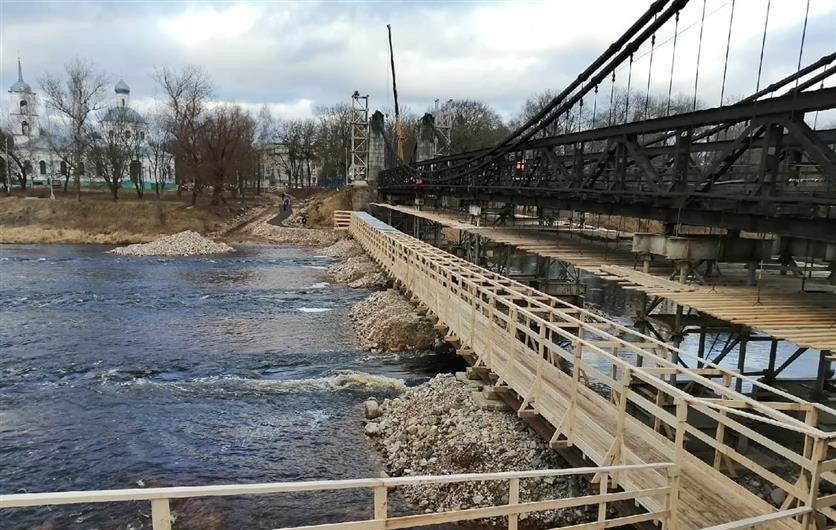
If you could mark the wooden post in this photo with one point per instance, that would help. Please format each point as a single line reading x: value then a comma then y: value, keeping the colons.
x: 741, y: 363
x: 681, y: 423
x: 720, y: 437
x: 160, y: 514
x: 819, y: 453
x: 381, y: 502
x: 672, y: 522
x: 602, y: 506
x: 626, y: 376
x: 513, y: 498
x: 577, y: 356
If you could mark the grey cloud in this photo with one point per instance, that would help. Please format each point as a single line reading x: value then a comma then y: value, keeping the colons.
x: 322, y: 51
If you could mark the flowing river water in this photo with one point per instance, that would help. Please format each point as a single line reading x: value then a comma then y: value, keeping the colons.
x: 121, y: 372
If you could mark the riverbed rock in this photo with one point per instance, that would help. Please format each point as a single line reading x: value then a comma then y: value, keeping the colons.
x: 436, y: 429
x: 186, y: 243
x: 359, y: 272
x: 372, y: 428
x: 344, y: 248
x: 386, y: 322
x: 294, y: 235
x: 372, y: 409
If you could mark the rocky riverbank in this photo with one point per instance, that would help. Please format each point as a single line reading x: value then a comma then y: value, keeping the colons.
x: 186, y: 243
x: 293, y: 236
x: 359, y: 272
x: 437, y: 428
x: 388, y: 322
x: 344, y: 248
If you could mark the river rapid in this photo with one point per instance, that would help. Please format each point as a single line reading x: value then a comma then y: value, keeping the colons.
x: 123, y: 372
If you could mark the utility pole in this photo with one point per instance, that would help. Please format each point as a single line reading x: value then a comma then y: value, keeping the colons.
x: 399, y: 140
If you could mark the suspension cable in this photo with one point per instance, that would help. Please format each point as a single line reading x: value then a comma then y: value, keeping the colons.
x: 726, y: 63
x: 612, y: 93
x: 673, y: 62
x: 816, y: 115
x: 629, y: 81
x: 803, y: 36
x: 699, y: 53
x: 649, y: 73
x: 763, y: 44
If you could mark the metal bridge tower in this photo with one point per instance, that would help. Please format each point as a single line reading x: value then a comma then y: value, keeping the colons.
x: 358, y: 169
x: 443, y: 126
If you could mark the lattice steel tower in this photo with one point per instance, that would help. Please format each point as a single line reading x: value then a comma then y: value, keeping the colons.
x: 443, y: 127
x: 358, y: 169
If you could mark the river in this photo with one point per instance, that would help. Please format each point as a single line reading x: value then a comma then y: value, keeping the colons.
x: 122, y: 372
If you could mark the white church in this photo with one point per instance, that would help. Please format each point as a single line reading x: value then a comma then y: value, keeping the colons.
x: 41, y: 154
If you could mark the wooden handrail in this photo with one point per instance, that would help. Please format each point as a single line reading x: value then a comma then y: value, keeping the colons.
x: 527, y: 327
x: 683, y: 354
x: 162, y: 520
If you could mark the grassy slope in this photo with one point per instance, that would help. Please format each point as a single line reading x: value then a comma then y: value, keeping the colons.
x: 96, y: 219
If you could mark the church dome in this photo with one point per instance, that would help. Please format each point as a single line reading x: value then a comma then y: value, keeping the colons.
x: 122, y: 87
x: 122, y: 115
x: 20, y: 85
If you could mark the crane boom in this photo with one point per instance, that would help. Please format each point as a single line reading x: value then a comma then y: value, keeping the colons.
x: 399, y: 140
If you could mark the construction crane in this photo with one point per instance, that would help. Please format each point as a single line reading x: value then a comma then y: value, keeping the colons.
x: 399, y: 140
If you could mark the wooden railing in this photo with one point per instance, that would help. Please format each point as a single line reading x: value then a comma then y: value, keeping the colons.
x: 381, y: 519
x: 342, y: 219
x: 599, y: 383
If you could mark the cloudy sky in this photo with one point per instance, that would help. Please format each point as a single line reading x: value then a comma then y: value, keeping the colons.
x: 297, y: 55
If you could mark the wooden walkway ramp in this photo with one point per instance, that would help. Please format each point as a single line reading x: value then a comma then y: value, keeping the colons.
x: 612, y: 393
x: 778, y: 308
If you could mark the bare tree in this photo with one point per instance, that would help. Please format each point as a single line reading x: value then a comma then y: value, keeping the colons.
x: 227, y: 148
x: 115, y: 148
x: 76, y: 96
x: 475, y: 125
x: 159, y: 142
x: 266, y: 137
x: 298, y: 137
x: 187, y: 92
x: 12, y: 163
x: 333, y: 138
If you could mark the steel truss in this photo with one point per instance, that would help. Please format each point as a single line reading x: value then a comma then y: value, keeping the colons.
x: 763, y: 169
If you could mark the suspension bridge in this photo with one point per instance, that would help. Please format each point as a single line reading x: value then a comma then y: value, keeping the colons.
x: 747, y: 185
x: 758, y: 164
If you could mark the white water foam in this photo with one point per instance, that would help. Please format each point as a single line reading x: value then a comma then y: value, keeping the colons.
x: 345, y: 380
x: 320, y: 285
x: 314, y: 309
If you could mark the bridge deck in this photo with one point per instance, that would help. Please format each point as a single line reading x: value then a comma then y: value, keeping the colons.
x: 594, y: 381
x: 777, y: 308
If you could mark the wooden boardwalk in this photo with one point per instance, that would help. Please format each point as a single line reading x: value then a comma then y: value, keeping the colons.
x: 777, y: 309
x: 608, y: 390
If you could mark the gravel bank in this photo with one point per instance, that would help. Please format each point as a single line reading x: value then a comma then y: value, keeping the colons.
x: 344, y: 248
x: 294, y: 236
x: 187, y: 243
x: 359, y: 272
x: 387, y: 322
x: 436, y: 428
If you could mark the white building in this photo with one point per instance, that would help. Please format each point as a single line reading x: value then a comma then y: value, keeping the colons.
x: 45, y: 156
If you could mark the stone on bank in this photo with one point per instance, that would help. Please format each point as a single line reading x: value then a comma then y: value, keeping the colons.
x: 438, y: 429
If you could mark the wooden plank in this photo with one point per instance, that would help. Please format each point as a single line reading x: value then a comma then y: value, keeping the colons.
x: 752, y: 522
